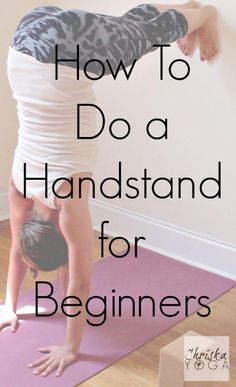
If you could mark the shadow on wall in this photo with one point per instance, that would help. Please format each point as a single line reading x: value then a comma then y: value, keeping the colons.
x: 227, y: 61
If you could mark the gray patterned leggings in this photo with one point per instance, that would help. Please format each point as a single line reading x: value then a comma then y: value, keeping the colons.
x: 116, y: 38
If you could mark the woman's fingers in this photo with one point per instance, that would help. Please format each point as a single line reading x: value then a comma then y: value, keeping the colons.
x: 45, y: 349
x: 50, y: 368
x: 14, y: 325
x: 8, y: 318
x: 4, y: 325
x: 39, y: 361
x: 60, y: 369
x: 58, y: 359
x: 42, y: 368
x: 1, y: 326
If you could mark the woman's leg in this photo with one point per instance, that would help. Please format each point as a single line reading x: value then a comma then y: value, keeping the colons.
x: 187, y: 43
x: 104, y: 37
x: 126, y: 38
x: 129, y: 40
x: 34, y: 16
x: 202, y: 20
x: 19, y: 212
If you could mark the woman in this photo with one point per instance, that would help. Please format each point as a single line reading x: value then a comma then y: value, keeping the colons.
x: 50, y: 231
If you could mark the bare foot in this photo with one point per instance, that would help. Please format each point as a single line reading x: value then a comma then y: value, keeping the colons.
x: 187, y: 43
x: 208, y: 37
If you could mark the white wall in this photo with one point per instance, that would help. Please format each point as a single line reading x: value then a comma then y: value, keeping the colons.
x: 11, y: 13
x: 202, y: 122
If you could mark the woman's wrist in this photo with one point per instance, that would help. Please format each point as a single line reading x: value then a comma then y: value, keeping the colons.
x: 9, y: 307
x: 72, y: 347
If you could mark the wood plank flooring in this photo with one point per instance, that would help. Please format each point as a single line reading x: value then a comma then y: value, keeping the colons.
x: 140, y: 369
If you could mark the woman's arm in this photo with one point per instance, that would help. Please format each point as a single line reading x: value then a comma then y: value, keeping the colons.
x: 19, y: 211
x: 76, y: 227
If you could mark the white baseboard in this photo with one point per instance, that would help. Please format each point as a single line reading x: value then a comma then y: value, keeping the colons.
x: 4, y: 206
x: 167, y: 239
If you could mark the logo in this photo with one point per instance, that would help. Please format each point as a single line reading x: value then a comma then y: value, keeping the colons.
x: 206, y: 358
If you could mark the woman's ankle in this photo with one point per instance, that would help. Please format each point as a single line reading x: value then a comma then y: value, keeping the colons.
x: 206, y: 12
x: 196, y: 18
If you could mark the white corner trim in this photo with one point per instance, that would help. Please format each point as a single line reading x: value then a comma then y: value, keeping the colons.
x: 174, y: 242
x: 167, y: 239
x: 4, y: 206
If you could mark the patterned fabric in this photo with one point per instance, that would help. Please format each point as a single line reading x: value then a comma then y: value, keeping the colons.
x: 116, y: 38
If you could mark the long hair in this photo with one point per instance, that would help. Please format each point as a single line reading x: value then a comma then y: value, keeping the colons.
x: 45, y: 247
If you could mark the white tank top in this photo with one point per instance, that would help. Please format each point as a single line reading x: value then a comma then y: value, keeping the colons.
x: 47, y: 114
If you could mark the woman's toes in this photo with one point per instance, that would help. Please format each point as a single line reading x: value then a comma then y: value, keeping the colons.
x: 203, y: 55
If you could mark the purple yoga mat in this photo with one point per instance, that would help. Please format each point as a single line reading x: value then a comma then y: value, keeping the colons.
x: 150, y: 274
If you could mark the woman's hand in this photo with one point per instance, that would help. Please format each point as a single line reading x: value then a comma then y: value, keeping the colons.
x: 8, y: 318
x: 58, y: 358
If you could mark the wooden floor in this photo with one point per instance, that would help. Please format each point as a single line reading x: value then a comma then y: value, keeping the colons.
x: 140, y: 369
